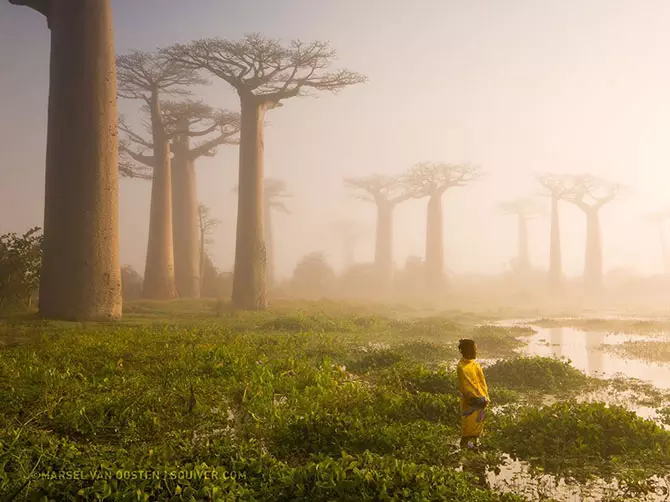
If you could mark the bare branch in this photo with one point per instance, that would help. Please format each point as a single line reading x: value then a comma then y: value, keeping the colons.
x: 434, y: 178
x: 41, y: 6
x: 380, y: 189
x: 264, y: 68
x: 526, y: 207
x: 591, y: 193
x: 141, y: 74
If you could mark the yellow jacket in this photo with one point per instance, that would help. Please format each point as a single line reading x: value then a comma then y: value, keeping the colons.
x: 472, y: 384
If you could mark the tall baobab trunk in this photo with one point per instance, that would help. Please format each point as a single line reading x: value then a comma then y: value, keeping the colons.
x: 555, y: 267
x: 269, y: 244
x: 524, y: 255
x: 434, y: 244
x: 384, y: 245
x: 249, y: 286
x: 593, y: 267
x: 185, y: 227
x: 159, y: 269
x: 81, y: 273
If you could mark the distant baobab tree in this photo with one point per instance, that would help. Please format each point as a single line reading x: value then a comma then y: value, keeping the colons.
x: 183, y: 121
x: 524, y: 209
x: 557, y: 187
x: 146, y: 77
x: 660, y: 219
x: 264, y: 73
x: 590, y: 194
x: 432, y: 180
x: 206, y: 224
x: 81, y: 273
x: 386, y: 192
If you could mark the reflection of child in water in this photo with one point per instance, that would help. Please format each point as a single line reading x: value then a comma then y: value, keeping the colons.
x: 475, y: 394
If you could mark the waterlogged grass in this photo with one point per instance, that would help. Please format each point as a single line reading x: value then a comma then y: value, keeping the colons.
x: 651, y: 351
x: 626, y: 326
x: 580, y: 441
x: 316, y: 403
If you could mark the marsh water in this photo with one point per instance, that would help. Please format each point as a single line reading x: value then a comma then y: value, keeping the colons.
x: 587, y: 351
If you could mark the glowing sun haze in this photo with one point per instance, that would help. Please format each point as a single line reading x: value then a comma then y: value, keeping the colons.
x: 517, y: 87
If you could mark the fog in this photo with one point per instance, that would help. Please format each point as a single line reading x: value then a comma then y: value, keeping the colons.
x: 516, y: 87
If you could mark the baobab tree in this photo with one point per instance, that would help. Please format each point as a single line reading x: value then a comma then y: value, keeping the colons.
x: 273, y: 191
x: 264, y: 73
x: 386, y: 192
x: 524, y: 209
x: 590, y: 194
x: 146, y: 77
x: 81, y: 274
x: 184, y: 121
x: 432, y: 180
x: 556, y: 187
x: 660, y: 219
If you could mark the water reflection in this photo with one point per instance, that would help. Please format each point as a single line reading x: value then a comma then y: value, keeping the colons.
x: 586, y: 352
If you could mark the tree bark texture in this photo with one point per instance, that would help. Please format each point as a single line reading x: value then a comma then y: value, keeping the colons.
x: 81, y: 273
x: 249, y: 277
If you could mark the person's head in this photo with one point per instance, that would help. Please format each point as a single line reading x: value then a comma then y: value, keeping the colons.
x: 468, y: 348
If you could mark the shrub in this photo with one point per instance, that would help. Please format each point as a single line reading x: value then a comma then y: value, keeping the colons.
x: 20, y: 263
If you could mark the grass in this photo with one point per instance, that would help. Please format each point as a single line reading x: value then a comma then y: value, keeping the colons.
x: 626, y: 326
x: 318, y: 401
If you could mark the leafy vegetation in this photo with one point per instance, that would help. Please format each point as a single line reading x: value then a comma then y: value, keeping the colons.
x: 623, y: 325
x: 20, y: 263
x: 293, y: 404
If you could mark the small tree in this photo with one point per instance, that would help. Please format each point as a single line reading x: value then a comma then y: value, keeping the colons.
x: 206, y: 224
x: 591, y: 194
x: 313, y: 277
x: 385, y: 192
x: 274, y: 191
x: 432, y: 180
x: 20, y: 264
x: 131, y: 283
x: 264, y: 73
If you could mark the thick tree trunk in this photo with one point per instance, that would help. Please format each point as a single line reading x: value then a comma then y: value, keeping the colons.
x: 269, y: 245
x: 249, y: 285
x: 185, y: 227
x: 555, y: 267
x: 435, y: 280
x: 593, y: 267
x: 524, y: 255
x: 384, y: 246
x: 159, y: 269
x: 81, y: 274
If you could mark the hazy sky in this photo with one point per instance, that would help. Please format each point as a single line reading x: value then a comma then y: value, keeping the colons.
x: 516, y: 86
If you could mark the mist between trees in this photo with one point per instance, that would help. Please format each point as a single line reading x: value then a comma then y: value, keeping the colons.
x: 81, y: 276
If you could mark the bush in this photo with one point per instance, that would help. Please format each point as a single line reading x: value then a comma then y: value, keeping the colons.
x: 20, y: 263
x: 131, y: 283
x: 535, y: 373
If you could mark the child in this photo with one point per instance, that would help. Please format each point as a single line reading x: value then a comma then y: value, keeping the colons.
x: 475, y: 394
